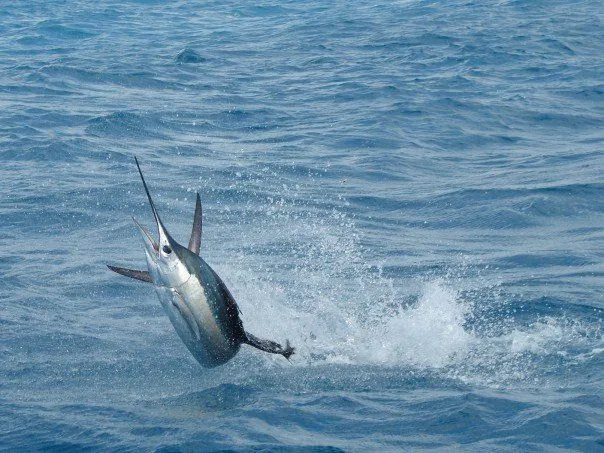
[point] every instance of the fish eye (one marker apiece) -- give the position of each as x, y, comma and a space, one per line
167, 250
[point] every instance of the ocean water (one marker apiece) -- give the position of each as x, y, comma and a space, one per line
411, 192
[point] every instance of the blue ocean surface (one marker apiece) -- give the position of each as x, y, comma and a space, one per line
411, 192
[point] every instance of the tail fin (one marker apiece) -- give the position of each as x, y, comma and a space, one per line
270, 346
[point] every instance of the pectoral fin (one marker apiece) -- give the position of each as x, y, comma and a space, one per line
195, 240
139, 275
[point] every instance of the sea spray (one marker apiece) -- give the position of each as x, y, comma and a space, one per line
340, 309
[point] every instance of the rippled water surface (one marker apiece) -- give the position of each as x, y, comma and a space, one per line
411, 192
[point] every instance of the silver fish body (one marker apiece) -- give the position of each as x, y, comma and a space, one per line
198, 303
202, 316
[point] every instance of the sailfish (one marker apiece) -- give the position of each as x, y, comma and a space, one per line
198, 303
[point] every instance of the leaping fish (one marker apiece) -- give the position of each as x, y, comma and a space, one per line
198, 303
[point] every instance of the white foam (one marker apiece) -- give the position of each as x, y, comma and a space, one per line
428, 334
334, 308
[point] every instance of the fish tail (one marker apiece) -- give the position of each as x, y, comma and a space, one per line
270, 346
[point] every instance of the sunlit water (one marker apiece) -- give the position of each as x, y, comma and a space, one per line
411, 193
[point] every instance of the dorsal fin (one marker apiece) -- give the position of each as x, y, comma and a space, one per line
195, 240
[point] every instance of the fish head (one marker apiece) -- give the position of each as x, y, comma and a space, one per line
167, 260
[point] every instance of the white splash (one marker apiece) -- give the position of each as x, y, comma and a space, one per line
316, 290
429, 333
